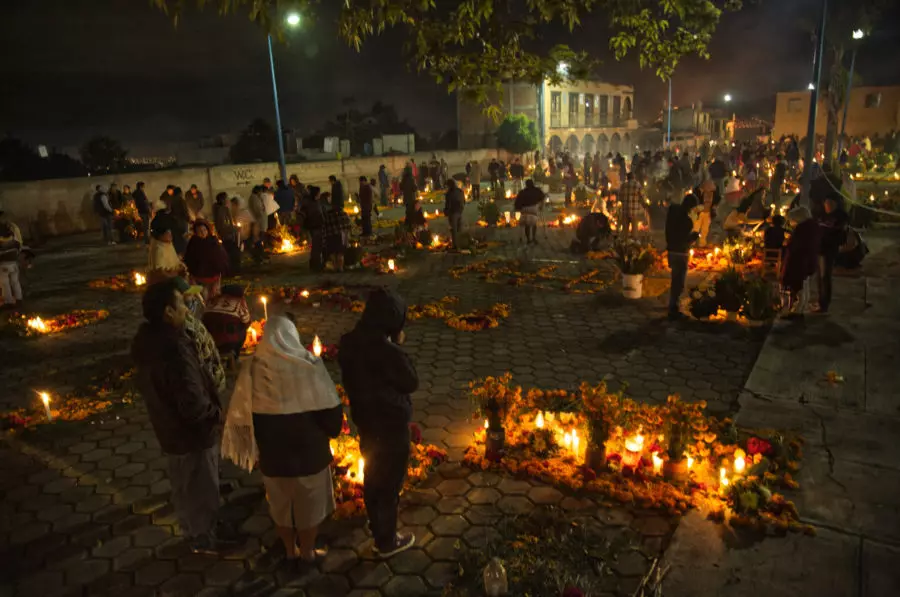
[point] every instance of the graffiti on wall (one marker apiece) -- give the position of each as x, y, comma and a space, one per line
243, 177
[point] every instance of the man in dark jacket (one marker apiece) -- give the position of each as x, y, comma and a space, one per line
454, 205
778, 174
144, 209
195, 202
184, 410
104, 211
384, 185
379, 378
833, 225
285, 198
313, 219
337, 192
366, 203
718, 172
679, 236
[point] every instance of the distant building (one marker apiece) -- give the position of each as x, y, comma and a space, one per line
693, 126
871, 111
581, 117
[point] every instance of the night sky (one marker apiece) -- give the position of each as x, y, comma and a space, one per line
73, 69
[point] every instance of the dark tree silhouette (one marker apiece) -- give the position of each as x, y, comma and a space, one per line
257, 143
103, 154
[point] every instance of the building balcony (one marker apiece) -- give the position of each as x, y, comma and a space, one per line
562, 120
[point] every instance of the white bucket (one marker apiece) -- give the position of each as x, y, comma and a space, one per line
632, 285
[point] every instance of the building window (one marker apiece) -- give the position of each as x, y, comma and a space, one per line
873, 100
795, 105
555, 109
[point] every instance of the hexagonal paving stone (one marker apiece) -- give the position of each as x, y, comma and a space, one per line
481, 479
327, 586
41, 584
182, 585
370, 574
631, 563
92, 503
112, 548
480, 536
440, 574
482, 514
54, 512
418, 515
483, 495
652, 526
411, 561
150, 536
544, 495
59, 485
133, 558
454, 505
615, 517
339, 560
155, 573
513, 486
442, 548
405, 586
223, 573
453, 487
129, 470
449, 524
28, 533
515, 504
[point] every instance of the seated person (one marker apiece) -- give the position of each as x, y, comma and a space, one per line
734, 223
591, 229
775, 234
227, 318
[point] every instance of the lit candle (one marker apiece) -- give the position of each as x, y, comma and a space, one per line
690, 462
518, 216
740, 463
254, 337
317, 346
539, 421
507, 216
657, 463
265, 302
391, 265
486, 424
360, 469
37, 324
304, 293
139, 279
286, 245
723, 480
633, 448
435, 240
567, 439
575, 442
45, 398
691, 253
716, 251
709, 257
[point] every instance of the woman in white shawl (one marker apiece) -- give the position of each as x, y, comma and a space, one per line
164, 262
284, 409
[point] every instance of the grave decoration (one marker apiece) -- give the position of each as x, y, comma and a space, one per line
349, 466
670, 457
344, 298
39, 326
133, 282
472, 321
516, 273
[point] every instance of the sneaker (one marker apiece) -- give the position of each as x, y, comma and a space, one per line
402, 542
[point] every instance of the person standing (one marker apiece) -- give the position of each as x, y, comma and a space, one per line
181, 219
528, 202
833, 226
454, 205
336, 224
366, 203
409, 189
778, 174
570, 180
708, 200
384, 185
257, 206
717, 172
475, 179
185, 411
284, 410
631, 194
286, 200
311, 214
226, 229
586, 167
105, 212
115, 197
800, 258
144, 210
195, 203
595, 169
379, 377
10, 246
337, 192
494, 173
679, 236
517, 172
205, 259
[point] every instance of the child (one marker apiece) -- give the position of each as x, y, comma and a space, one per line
227, 318
337, 234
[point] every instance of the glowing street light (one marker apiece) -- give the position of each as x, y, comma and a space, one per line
811, 86
293, 19
858, 34
727, 97
562, 68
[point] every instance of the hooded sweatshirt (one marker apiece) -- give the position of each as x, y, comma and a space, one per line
377, 374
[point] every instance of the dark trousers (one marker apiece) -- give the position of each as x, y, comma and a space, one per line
386, 452
233, 250
678, 263
826, 267
194, 478
455, 222
316, 250
145, 224
106, 227
476, 190
367, 223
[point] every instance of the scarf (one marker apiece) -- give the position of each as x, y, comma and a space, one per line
281, 378
163, 256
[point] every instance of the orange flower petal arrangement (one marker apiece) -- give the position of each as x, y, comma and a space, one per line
133, 282
472, 321
39, 326
349, 466
512, 273
344, 298
670, 457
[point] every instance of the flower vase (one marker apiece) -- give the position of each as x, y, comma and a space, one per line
595, 457
676, 470
632, 285
494, 442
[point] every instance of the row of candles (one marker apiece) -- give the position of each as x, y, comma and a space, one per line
634, 451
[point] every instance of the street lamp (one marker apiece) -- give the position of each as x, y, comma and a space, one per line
727, 97
292, 19
858, 34
562, 68
811, 86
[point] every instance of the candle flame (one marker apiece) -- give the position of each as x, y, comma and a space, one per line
690, 462
723, 480
507, 216
508, 194
539, 421
304, 293
286, 245
657, 463
740, 462
691, 252
391, 265
37, 324
435, 240
635, 444
717, 251
355, 209
45, 398
139, 279
263, 300
486, 424
567, 439
575, 441
254, 337
518, 216
317, 346
360, 469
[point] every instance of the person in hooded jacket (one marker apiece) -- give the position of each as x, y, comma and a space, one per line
337, 192
800, 261
379, 377
312, 216
528, 201
454, 205
679, 236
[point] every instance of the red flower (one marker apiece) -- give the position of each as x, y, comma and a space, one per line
415, 433
345, 426
757, 445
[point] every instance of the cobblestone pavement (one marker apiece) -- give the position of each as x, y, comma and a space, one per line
85, 505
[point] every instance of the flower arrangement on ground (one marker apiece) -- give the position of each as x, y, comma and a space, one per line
472, 321
712, 464
516, 273
704, 303
730, 290
632, 257
489, 212
39, 326
761, 302
133, 282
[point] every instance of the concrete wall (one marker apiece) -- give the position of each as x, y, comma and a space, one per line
792, 113
64, 206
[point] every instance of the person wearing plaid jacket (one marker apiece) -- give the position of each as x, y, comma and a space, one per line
631, 194
337, 234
